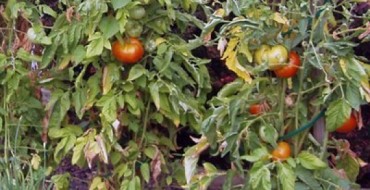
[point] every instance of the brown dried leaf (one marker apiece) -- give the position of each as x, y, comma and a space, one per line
103, 151
21, 40
221, 46
69, 14
367, 32
91, 150
360, 123
207, 37
155, 165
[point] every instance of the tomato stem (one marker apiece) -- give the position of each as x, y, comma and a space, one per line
297, 106
119, 38
282, 104
145, 124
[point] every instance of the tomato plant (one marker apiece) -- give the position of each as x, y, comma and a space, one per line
63, 95
282, 151
129, 52
291, 68
349, 125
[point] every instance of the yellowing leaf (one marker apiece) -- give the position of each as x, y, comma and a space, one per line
365, 90
245, 51
232, 62
219, 13
35, 161
159, 41
230, 47
282, 20
342, 63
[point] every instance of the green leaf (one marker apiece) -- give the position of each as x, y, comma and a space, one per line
190, 164
332, 177
61, 181
136, 71
78, 54
47, 10
260, 177
209, 168
307, 177
337, 113
111, 74
268, 134
353, 95
74, 130
49, 53
95, 46
117, 4
65, 104
230, 88
154, 93
109, 26
310, 161
286, 175
144, 169
257, 154
350, 165
79, 100
60, 146
97, 184
78, 151
109, 107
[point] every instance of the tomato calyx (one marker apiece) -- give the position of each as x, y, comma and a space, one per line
291, 68
129, 52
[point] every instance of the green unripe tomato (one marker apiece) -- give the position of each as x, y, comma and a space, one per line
261, 55
277, 56
137, 12
133, 29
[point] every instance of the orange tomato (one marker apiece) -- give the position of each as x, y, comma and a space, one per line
256, 109
128, 52
348, 125
282, 151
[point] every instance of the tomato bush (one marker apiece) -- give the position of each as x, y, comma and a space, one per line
67, 92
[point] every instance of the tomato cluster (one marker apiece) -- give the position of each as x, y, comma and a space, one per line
284, 64
131, 50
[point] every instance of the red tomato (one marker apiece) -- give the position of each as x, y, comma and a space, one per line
291, 68
256, 109
282, 151
130, 52
348, 126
